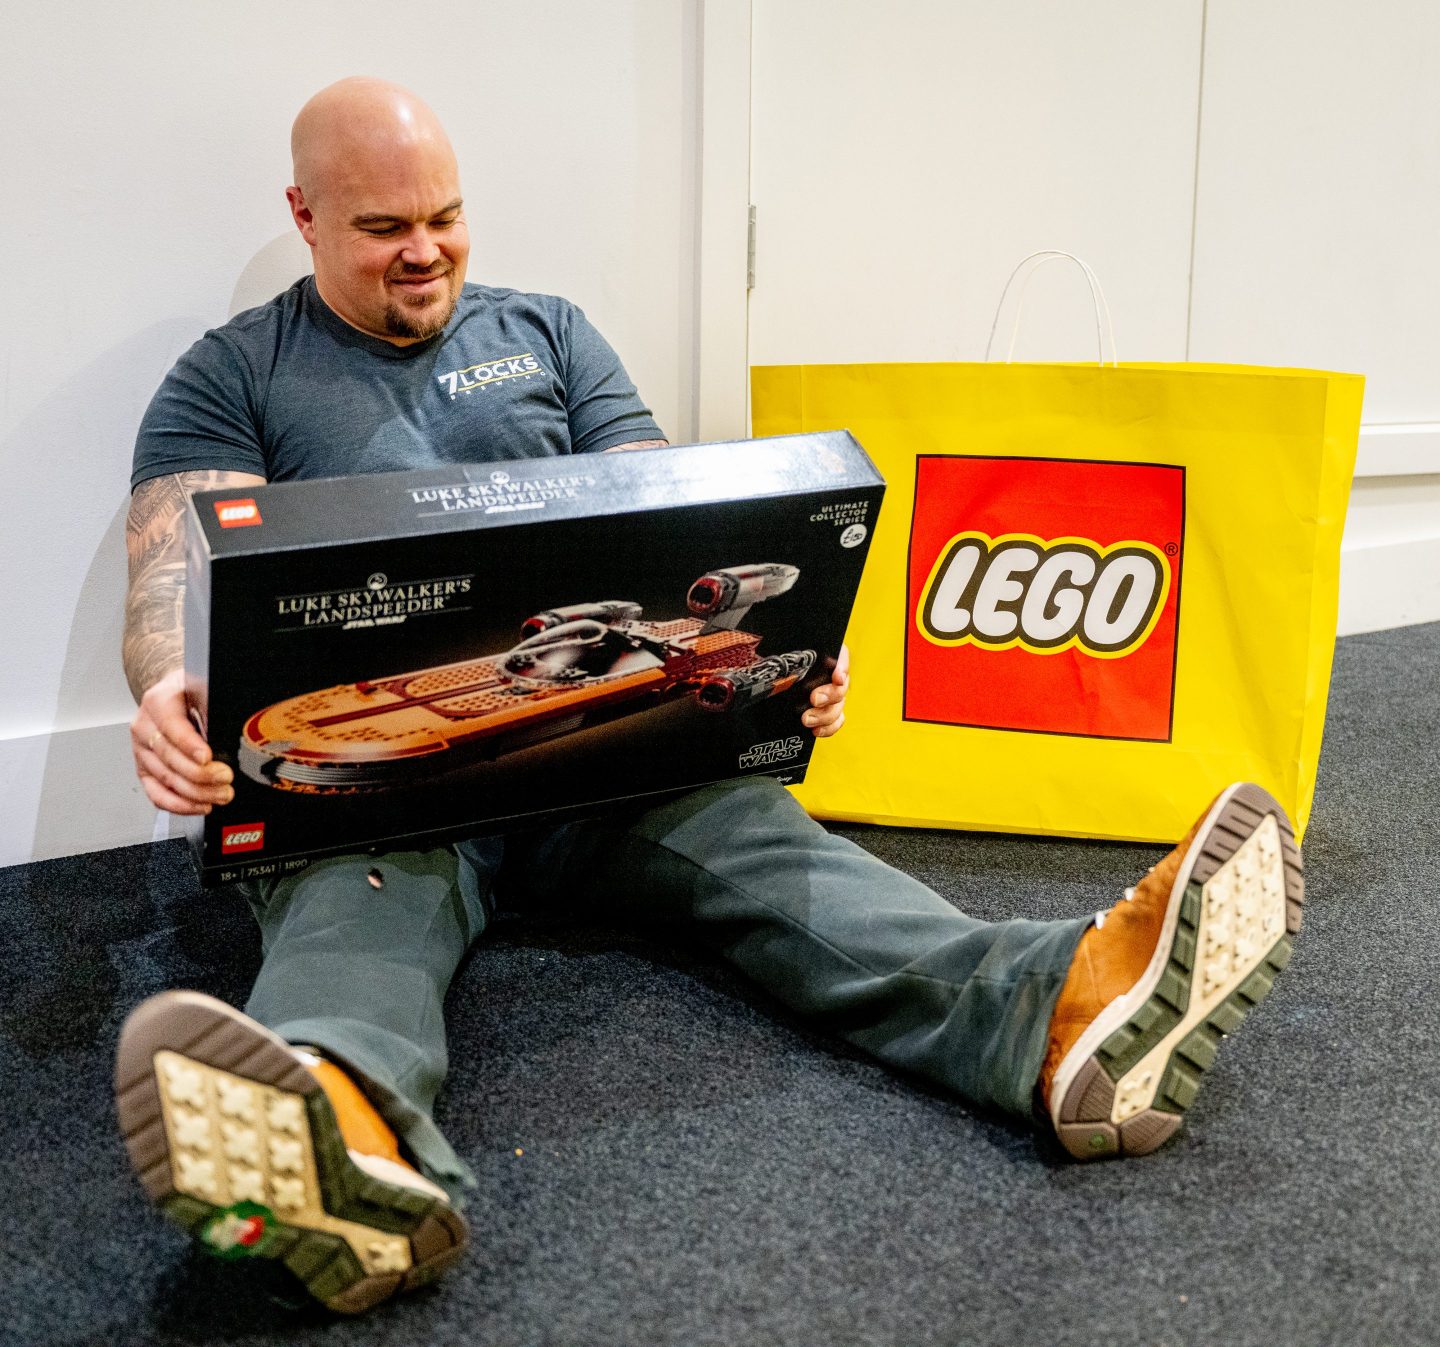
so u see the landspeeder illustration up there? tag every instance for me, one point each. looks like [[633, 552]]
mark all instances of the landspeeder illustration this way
[[574, 667]]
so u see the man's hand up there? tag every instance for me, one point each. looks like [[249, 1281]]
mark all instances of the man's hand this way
[[171, 759], [827, 703]]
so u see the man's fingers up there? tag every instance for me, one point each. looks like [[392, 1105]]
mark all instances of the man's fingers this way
[[165, 717], [824, 719], [827, 702], [160, 750], [163, 798], [833, 692], [178, 786], [209, 775], [155, 744], [179, 732], [182, 777], [172, 760]]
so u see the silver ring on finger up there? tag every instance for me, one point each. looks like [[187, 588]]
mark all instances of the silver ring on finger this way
[[152, 741]]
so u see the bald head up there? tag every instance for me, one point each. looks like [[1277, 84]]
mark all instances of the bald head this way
[[356, 123], [377, 197]]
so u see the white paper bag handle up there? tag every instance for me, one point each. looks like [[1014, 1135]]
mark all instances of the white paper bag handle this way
[[1097, 298]]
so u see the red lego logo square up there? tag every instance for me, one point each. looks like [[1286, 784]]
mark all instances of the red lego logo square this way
[[236, 514], [242, 837], [1044, 595]]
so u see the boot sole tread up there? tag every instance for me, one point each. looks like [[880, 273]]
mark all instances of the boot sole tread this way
[[230, 1134], [1260, 891]]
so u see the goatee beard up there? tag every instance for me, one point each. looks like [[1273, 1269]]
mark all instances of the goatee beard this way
[[417, 326]]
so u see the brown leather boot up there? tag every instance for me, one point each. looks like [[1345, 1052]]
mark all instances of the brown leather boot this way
[[1169, 971], [260, 1149]]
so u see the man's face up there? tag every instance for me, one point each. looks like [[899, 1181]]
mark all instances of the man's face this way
[[389, 238]]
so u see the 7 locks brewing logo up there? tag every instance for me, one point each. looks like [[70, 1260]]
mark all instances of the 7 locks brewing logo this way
[[1044, 595], [488, 373]]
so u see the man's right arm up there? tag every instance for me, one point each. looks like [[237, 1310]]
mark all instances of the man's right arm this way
[[171, 759]]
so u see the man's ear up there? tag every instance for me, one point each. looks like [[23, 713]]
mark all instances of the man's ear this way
[[301, 213]]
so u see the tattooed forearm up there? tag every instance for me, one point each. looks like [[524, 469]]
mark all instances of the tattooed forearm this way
[[637, 444], [154, 639], [153, 644]]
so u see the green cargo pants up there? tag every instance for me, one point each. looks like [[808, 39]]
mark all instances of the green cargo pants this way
[[857, 948]]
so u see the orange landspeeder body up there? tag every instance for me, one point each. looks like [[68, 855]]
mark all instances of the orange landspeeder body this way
[[574, 666]]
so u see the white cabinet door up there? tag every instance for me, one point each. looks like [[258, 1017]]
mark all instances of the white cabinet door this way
[[1317, 222], [906, 156], [1317, 217]]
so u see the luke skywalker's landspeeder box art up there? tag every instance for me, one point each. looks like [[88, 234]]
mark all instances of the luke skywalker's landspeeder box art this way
[[408, 658]]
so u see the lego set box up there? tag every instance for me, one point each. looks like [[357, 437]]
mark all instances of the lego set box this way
[[408, 658]]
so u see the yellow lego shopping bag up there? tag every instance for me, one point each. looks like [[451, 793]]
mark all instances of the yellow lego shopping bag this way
[[1097, 595]]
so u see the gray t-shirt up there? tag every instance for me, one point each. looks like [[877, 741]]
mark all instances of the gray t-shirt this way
[[289, 390]]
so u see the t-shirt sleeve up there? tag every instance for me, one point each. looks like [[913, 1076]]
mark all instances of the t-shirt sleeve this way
[[602, 403], [202, 417]]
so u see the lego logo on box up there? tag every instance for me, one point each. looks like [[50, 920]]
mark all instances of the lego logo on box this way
[[1044, 595], [235, 514], [242, 837]]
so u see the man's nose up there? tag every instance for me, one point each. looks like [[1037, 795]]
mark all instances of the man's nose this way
[[420, 249]]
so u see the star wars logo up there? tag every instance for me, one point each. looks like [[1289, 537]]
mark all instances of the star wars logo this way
[[777, 750]]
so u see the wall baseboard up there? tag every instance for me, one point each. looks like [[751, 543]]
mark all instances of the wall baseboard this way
[[70, 792], [1384, 585]]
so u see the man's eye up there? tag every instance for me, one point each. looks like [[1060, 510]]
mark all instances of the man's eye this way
[[445, 224], [379, 231]]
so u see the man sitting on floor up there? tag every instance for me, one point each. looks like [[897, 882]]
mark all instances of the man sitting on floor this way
[[302, 1129]]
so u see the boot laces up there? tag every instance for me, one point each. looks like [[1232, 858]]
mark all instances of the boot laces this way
[[1100, 916]]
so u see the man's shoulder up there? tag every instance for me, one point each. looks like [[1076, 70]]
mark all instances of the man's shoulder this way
[[494, 300], [252, 337], [264, 320]]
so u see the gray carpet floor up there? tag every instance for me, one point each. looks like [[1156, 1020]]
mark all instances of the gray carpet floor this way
[[700, 1169]]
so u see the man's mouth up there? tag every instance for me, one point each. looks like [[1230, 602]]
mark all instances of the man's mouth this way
[[420, 284]]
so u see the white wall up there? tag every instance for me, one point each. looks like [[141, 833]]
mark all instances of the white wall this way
[[144, 165], [906, 157]]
